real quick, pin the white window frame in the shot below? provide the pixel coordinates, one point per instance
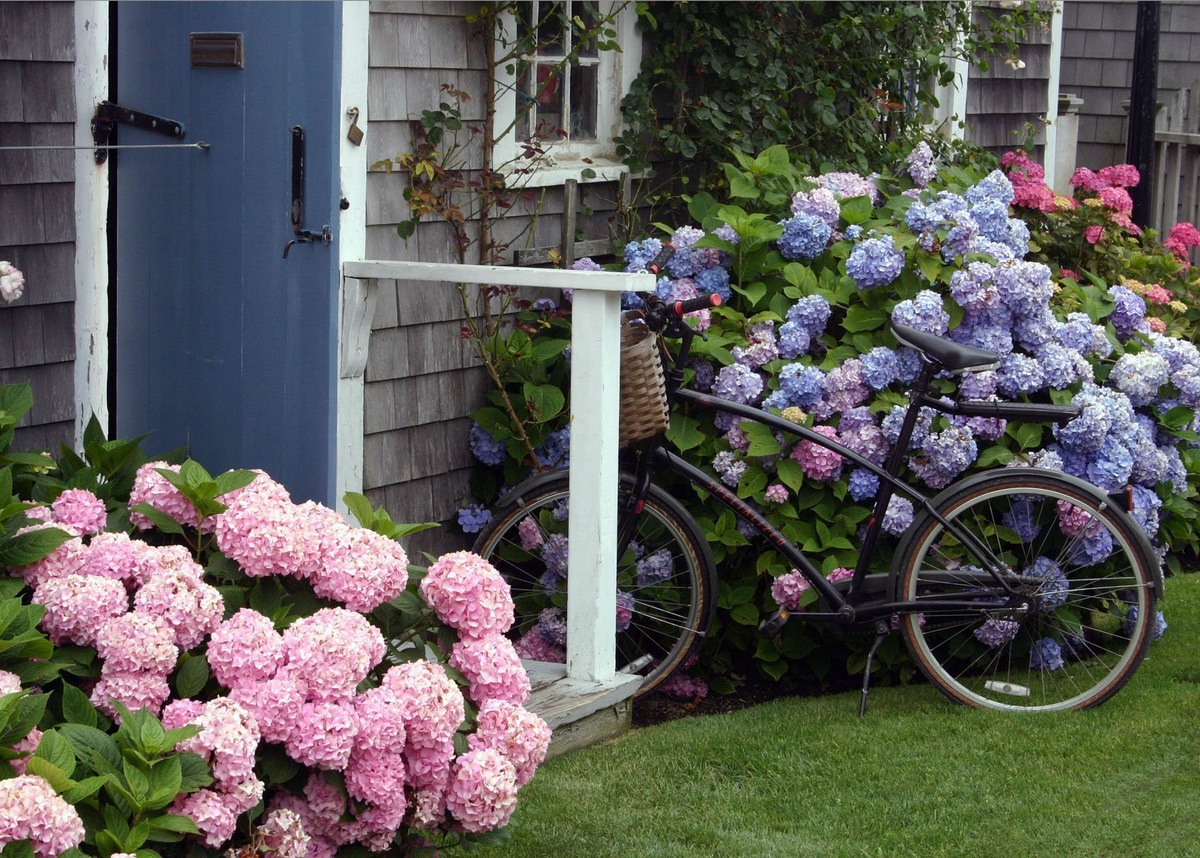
(567, 159)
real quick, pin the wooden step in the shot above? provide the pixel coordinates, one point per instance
(580, 712)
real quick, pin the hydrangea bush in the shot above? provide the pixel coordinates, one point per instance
(194, 664)
(1081, 305)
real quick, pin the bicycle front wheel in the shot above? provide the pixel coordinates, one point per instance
(665, 580)
(1088, 575)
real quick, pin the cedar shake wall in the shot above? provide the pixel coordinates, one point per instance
(37, 214)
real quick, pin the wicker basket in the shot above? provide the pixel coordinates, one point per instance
(644, 411)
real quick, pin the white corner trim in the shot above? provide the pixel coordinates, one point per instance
(352, 244)
(91, 221)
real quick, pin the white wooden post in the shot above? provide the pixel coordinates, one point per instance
(595, 383)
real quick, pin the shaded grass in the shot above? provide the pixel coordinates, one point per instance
(917, 776)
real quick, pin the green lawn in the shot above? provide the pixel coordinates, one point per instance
(917, 776)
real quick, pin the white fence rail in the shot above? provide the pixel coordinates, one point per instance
(595, 369)
(1177, 162)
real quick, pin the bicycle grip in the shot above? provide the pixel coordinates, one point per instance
(655, 265)
(772, 624)
(691, 305)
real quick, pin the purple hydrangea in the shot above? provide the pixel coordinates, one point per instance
(924, 312)
(1055, 587)
(656, 567)
(739, 383)
(1021, 518)
(727, 233)
(996, 633)
(920, 164)
(862, 484)
(899, 515)
(639, 253)
(1046, 654)
(474, 517)
(1160, 623)
(729, 467)
(944, 455)
(880, 367)
(848, 185)
(1129, 313)
(485, 447)
(552, 626)
(1061, 366)
(974, 287)
(1018, 374)
(801, 385)
(875, 262)
(804, 236)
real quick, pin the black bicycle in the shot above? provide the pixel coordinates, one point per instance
(1014, 588)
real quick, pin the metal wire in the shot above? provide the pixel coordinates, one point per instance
(198, 145)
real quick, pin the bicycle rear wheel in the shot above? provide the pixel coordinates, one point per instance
(665, 580)
(1087, 570)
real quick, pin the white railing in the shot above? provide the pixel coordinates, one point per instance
(1177, 162)
(595, 379)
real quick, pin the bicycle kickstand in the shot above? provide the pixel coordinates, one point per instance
(882, 629)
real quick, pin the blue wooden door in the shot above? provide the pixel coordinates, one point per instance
(223, 346)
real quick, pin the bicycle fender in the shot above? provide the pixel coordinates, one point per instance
(993, 474)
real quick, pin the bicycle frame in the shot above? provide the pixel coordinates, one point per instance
(859, 604)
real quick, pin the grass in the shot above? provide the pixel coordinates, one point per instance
(917, 776)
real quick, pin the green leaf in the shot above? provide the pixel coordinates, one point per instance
(745, 615)
(76, 707)
(192, 676)
(84, 789)
(159, 519)
(45, 769)
(859, 318)
(194, 772)
(857, 209)
(360, 508)
(173, 822)
(93, 747)
(21, 549)
(17, 849)
(753, 292)
(54, 748)
(24, 711)
(762, 439)
(790, 473)
(545, 401)
(166, 776)
(685, 433)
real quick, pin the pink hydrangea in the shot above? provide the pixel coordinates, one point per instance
(376, 825)
(77, 605)
(1086, 179)
(492, 667)
(334, 650)
(515, 732)
(380, 721)
(683, 687)
(532, 646)
(483, 791)
(1074, 520)
(245, 649)
(323, 736)
(281, 834)
(530, 533)
(468, 594)
(276, 704)
(431, 702)
(192, 608)
(26, 746)
(1120, 175)
(116, 556)
(177, 713)
(1093, 234)
(787, 589)
(10, 683)
(136, 641)
(227, 740)
(31, 810)
(213, 813)
(1117, 199)
(81, 510)
(429, 771)
(1180, 240)
(360, 568)
(817, 462)
(133, 690)
(376, 777)
(266, 534)
(1156, 325)
(776, 493)
(151, 487)
(67, 559)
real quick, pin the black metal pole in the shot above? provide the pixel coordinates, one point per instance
(1143, 105)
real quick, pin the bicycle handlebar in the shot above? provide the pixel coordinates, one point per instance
(656, 265)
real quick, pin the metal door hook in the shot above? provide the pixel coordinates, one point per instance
(301, 236)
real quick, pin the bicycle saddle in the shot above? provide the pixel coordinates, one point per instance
(947, 353)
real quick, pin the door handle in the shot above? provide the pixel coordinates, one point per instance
(296, 212)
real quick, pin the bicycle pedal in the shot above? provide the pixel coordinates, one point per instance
(772, 624)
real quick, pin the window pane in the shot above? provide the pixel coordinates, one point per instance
(525, 103)
(549, 102)
(583, 103)
(550, 35)
(588, 14)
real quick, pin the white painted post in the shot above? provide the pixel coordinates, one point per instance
(595, 387)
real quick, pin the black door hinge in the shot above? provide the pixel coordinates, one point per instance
(108, 115)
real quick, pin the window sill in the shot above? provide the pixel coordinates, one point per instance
(548, 177)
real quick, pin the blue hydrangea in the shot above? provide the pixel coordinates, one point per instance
(1076, 333)
(639, 253)
(555, 451)
(714, 280)
(1187, 382)
(944, 455)
(485, 447)
(978, 385)
(1046, 654)
(1093, 548)
(804, 236)
(794, 340)
(632, 301)
(1178, 353)
(819, 202)
(899, 515)
(739, 383)
(924, 312)
(853, 232)
(996, 633)
(1129, 313)
(1018, 374)
(1061, 367)
(1111, 467)
(727, 233)
(880, 367)
(875, 262)
(1139, 376)
(1160, 623)
(1021, 519)
(995, 186)
(961, 237)
(1055, 587)
(1146, 504)
(892, 421)
(920, 164)
(862, 484)
(801, 385)
(552, 626)
(1035, 329)
(974, 287)
(908, 364)
(474, 517)
(554, 555)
